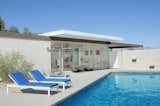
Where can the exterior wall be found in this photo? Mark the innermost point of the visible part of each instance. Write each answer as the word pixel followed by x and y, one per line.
pixel 144 59
pixel 38 52
pixel 35 51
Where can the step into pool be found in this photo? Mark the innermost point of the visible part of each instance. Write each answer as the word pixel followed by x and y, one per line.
pixel 119 89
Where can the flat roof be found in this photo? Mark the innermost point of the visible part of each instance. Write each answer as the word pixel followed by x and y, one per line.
pixel 110 44
pixel 81 35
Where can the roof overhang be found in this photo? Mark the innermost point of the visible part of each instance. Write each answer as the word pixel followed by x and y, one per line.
pixel 114 45
pixel 68 34
pixel 110 44
pixel 78 40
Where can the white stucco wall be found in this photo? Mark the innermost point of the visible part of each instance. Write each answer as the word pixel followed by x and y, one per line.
pixel 144 59
pixel 35 51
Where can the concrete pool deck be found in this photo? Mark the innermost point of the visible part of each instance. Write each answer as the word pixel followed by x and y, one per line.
pixel 39 98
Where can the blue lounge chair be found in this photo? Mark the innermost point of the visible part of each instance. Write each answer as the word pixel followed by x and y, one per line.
pixel 37 75
pixel 20 81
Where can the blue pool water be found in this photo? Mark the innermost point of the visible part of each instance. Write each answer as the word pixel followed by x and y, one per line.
pixel 119 89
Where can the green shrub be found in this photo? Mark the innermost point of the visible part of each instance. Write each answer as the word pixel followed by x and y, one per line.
pixel 13 62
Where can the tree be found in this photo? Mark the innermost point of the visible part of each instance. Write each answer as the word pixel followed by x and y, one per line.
pixel 13 29
pixel 26 31
pixel 2 24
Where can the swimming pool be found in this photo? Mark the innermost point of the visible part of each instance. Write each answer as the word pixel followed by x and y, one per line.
pixel 119 89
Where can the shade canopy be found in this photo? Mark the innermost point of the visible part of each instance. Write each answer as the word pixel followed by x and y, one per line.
pixel 81 35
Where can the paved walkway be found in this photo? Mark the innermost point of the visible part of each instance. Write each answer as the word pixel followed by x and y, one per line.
pixel 39 98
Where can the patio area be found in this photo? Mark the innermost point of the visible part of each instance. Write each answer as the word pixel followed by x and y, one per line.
pixel 39 98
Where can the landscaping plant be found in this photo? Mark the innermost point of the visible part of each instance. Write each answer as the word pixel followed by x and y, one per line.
pixel 13 61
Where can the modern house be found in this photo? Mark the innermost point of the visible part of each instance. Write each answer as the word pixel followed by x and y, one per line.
pixel 64 49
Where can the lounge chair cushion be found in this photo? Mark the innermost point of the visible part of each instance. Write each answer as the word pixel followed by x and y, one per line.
pixel 20 79
pixel 39 77
pixel 40 84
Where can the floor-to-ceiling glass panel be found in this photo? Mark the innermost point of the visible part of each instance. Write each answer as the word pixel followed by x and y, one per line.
pixel 75 57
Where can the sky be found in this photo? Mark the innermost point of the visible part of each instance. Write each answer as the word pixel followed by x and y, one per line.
pixel 137 21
